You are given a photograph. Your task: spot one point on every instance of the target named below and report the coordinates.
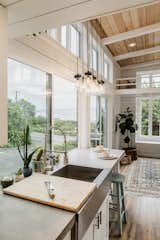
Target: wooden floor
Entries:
(143, 219)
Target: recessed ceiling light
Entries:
(133, 44)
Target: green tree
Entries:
(155, 117)
(19, 114)
(70, 145)
(28, 109)
(16, 121)
(68, 126)
(39, 124)
(145, 117)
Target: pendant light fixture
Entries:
(81, 83)
(88, 74)
(101, 81)
(88, 81)
(78, 76)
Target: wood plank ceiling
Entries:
(135, 18)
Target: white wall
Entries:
(44, 54)
(131, 71)
(3, 76)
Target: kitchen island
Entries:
(22, 220)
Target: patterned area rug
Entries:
(143, 177)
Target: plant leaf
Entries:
(20, 153)
(30, 156)
(26, 140)
(39, 154)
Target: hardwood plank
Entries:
(143, 218)
(98, 27)
(128, 20)
(142, 59)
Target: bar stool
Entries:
(117, 203)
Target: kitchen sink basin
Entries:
(78, 172)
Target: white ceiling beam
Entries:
(137, 53)
(30, 16)
(132, 34)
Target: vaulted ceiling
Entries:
(132, 36)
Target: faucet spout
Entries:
(65, 143)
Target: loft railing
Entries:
(126, 83)
(133, 82)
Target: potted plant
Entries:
(19, 175)
(127, 126)
(24, 153)
(38, 161)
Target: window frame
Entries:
(68, 44)
(139, 136)
(92, 60)
(103, 135)
(106, 77)
(70, 41)
(150, 74)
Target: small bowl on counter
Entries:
(6, 181)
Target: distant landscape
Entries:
(23, 112)
(20, 113)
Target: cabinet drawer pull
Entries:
(98, 221)
(100, 217)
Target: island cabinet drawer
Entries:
(99, 228)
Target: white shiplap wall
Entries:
(3, 76)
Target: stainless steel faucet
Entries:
(65, 143)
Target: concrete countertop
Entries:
(23, 220)
(89, 158)
(26, 220)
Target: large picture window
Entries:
(26, 104)
(65, 113)
(148, 118)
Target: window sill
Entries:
(148, 142)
